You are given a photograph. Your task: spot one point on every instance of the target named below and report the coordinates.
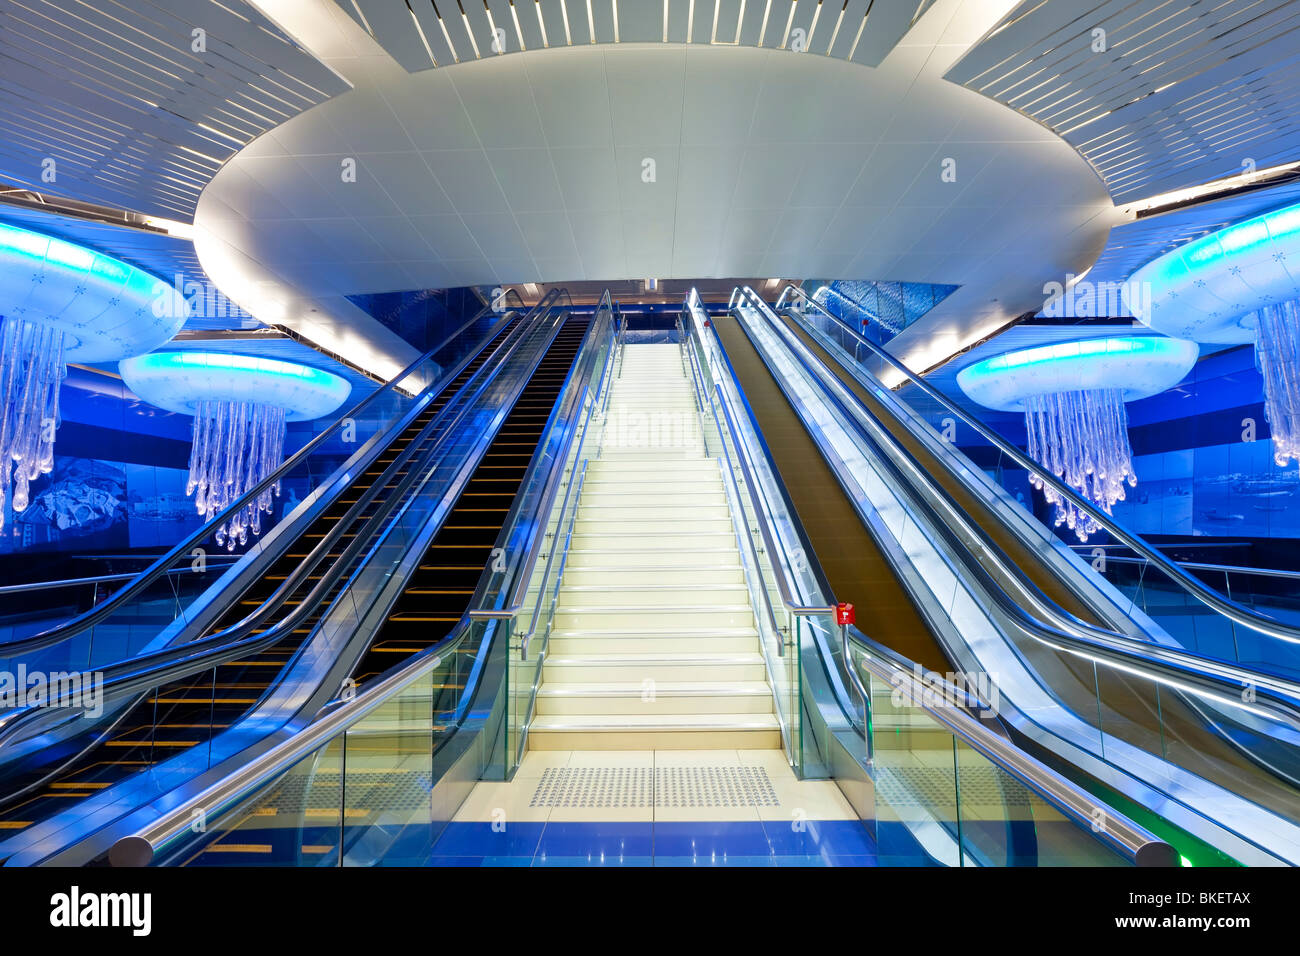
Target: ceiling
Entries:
(428, 33)
(525, 167)
(530, 168)
(114, 93)
(1172, 93)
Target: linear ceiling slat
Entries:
(888, 21)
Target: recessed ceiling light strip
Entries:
(789, 22)
(420, 30)
(497, 48)
(713, 37)
(614, 6)
(839, 21)
(541, 24)
(364, 22)
(519, 33)
(861, 27)
(740, 21)
(591, 24)
(445, 34)
(665, 21)
(690, 21)
(762, 30)
(812, 27)
(564, 14)
(469, 30)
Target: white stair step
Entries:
(679, 573)
(648, 526)
(650, 594)
(666, 697)
(586, 643)
(651, 558)
(686, 512)
(683, 617)
(636, 668)
(655, 732)
(602, 468)
(666, 486)
(693, 542)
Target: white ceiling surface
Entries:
(115, 94)
(422, 35)
(528, 168)
(1184, 91)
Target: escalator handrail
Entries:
(164, 563)
(333, 722)
(337, 716)
(171, 663)
(1121, 832)
(1225, 568)
(1230, 609)
(573, 492)
(514, 603)
(1275, 698)
(784, 587)
(1075, 803)
(133, 683)
(695, 306)
(65, 583)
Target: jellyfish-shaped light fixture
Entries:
(60, 303)
(1073, 396)
(1238, 285)
(240, 405)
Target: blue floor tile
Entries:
(479, 839)
(711, 839)
(817, 861)
(722, 859)
(454, 861)
(610, 840)
(623, 861)
(825, 838)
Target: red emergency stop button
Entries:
(844, 614)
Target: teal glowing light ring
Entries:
(178, 381)
(1139, 365)
(1209, 289)
(106, 308)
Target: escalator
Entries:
(855, 568)
(434, 599)
(375, 778)
(188, 712)
(438, 593)
(1120, 702)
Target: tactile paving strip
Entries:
(654, 787)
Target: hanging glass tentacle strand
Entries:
(236, 445)
(1082, 438)
(1277, 353)
(31, 372)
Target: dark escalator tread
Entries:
(188, 712)
(854, 566)
(439, 591)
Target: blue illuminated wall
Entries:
(1200, 481)
(119, 476)
(1198, 475)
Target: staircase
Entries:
(654, 644)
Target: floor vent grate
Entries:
(654, 787)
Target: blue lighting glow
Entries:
(180, 381)
(1070, 351)
(106, 308)
(165, 361)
